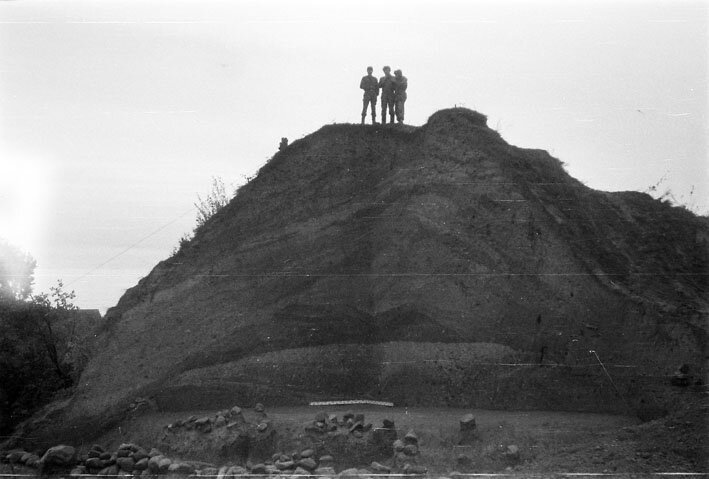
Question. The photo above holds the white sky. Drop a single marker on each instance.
(114, 115)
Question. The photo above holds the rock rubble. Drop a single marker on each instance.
(395, 453)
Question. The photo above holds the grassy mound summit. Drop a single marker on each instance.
(435, 266)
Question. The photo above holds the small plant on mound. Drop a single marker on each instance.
(215, 200)
(687, 202)
(213, 203)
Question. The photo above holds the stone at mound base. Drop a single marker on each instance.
(202, 420)
(352, 473)
(411, 450)
(468, 429)
(467, 422)
(14, 456)
(180, 468)
(154, 463)
(141, 465)
(164, 465)
(379, 468)
(109, 471)
(411, 469)
(60, 456)
(236, 471)
(324, 471)
(78, 471)
(95, 463)
(30, 460)
(411, 438)
(308, 463)
(259, 469)
(283, 465)
(401, 460)
(126, 464)
(511, 454)
(139, 455)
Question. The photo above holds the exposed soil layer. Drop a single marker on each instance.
(354, 243)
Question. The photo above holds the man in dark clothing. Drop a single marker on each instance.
(386, 83)
(400, 85)
(371, 91)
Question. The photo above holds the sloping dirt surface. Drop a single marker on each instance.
(377, 236)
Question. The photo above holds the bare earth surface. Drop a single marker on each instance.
(353, 243)
(549, 442)
(436, 267)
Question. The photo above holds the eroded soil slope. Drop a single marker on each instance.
(354, 243)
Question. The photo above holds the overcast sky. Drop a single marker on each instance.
(114, 115)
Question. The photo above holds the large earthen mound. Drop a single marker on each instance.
(435, 265)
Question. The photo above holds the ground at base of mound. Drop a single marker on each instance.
(548, 441)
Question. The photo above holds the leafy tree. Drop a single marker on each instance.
(40, 353)
(16, 273)
(51, 313)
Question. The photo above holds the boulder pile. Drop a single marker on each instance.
(326, 443)
(350, 438)
(128, 459)
(229, 418)
(54, 459)
(225, 435)
(406, 454)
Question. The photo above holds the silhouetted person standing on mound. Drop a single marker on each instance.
(371, 91)
(400, 84)
(386, 83)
